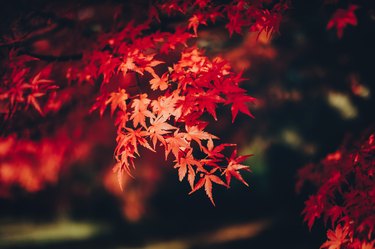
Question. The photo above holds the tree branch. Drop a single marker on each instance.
(54, 58)
(59, 24)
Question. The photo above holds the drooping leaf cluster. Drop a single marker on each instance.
(156, 101)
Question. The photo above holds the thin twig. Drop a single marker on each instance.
(54, 58)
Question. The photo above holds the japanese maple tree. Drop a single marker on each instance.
(149, 73)
(159, 86)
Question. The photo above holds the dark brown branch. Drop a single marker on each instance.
(54, 58)
(138, 83)
(41, 32)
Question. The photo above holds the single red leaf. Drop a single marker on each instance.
(342, 18)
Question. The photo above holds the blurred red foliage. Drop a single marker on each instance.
(346, 195)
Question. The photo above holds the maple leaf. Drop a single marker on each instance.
(38, 88)
(180, 37)
(214, 14)
(118, 100)
(313, 209)
(140, 110)
(208, 101)
(336, 238)
(159, 127)
(185, 162)
(133, 137)
(368, 245)
(194, 22)
(100, 103)
(334, 213)
(342, 18)
(38, 83)
(107, 67)
(239, 103)
(236, 21)
(267, 21)
(197, 134)
(31, 99)
(126, 160)
(191, 59)
(234, 166)
(215, 151)
(166, 105)
(206, 181)
(121, 119)
(159, 83)
(129, 64)
(176, 143)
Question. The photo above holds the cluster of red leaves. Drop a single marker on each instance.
(345, 196)
(33, 159)
(239, 14)
(156, 102)
(17, 169)
(23, 86)
(191, 87)
(31, 164)
(342, 18)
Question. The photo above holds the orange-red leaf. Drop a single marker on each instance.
(140, 110)
(336, 238)
(118, 100)
(159, 83)
(206, 181)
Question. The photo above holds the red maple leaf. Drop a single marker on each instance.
(268, 22)
(239, 103)
(234, 166)
(170, 41)
(342, 18)
(117, 100)
(334, 213)
(32, 99)
(184, 163)
(133, 138)
(206, 181)
(159, 82)
(140, 110)
(195, 21)
(197, 134)
(215, 151)
(100, 104)
(176, 143)
(313, 209)
(236, 18)
(158, 128)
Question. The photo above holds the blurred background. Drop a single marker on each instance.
(314, 91)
